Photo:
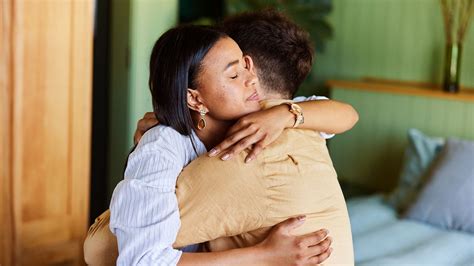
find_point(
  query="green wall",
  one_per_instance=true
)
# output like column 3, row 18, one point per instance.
column 370, row 155
column 136, row 25
column 392, row 39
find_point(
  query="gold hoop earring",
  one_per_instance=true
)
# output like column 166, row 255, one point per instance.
column 202, row 122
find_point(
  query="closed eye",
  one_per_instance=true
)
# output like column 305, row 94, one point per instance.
column 234, row 77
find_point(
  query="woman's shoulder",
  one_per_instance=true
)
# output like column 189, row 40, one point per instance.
column 160, row 137
column 166, row 140
column 160, row 150
column 161, row 133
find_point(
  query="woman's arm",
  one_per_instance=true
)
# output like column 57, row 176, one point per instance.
column 327, row 116
column 279, row 248
column 261, row 128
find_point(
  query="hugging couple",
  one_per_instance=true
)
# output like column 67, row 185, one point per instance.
column 228, row 170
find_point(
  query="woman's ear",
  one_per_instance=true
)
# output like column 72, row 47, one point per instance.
column 194, row 101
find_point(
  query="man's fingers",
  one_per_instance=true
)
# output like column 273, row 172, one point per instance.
column 290, row 224
column 321, row 257
column 320, row 248
column 146, row 123
column 149, row 115
column 314, row 238
column 137, row 137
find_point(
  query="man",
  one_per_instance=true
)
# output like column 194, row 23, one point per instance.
column 239, row 203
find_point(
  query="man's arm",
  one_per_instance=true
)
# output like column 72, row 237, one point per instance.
column 279, row 248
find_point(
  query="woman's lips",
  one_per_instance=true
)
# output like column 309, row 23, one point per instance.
column 253, row 97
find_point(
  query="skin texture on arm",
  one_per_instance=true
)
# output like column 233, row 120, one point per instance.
column 279, row 248
column 328, row 116
column 100, row 248
column 260, row 129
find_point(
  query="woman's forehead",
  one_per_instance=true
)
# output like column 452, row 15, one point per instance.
column 224, row 52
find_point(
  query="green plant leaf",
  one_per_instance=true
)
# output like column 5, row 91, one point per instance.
column 309, row 14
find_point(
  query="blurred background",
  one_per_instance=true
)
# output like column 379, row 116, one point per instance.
column 386, row 58
column 400, row 40
column 393, row 60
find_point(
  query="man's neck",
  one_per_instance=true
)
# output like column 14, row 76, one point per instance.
column 273, row 95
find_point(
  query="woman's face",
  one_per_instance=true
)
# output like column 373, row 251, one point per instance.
column 227, row 82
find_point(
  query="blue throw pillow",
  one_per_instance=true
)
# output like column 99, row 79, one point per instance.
column 447, row 200
column 419, row 155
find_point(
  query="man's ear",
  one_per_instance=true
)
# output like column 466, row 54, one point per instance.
column 249, row 64
column 194, row 101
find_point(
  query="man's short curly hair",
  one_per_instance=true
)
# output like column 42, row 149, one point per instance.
column 281, row 50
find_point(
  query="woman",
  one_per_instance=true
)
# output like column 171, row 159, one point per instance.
column 199, row 79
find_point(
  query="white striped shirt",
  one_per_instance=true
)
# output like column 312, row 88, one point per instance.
column 144, row 209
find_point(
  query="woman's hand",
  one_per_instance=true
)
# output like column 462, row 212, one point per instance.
column 282, row 248
column 148, row 121
column 256, row 131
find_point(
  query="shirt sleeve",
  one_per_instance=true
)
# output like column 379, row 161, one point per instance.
column 314, row 98
column 144, row 208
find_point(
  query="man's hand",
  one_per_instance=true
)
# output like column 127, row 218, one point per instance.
column 256, row 131
column 148, row 121
column 283, row 248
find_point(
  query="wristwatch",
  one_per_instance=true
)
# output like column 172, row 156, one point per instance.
column 298, row 112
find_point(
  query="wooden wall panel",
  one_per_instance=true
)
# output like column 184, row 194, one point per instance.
column 81, row 116
column 47, row 116
column 44, row 99
column 371, row 153
column 6, row 207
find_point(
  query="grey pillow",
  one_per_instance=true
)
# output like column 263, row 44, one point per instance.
column 447, row 200
column 419, row 154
